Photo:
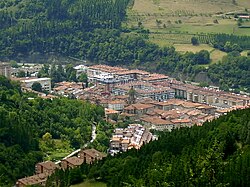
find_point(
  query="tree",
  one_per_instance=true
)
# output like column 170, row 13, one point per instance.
column 83, row 78
column 239, row 22
column 13, row 64
column 202, row 57
column 36, row 86
column 194, row 41
column 21, row 73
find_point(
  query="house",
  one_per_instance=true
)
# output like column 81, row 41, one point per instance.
column 182, row 122
column 207, row 109
column 138, row 109
column 116, row 105
column 154, row 77
column 91, row 155
column 47, row 167
column 157, row 123
column 134, row 136
column 111, row 114
column 39, row 179
column 169, row 104
column 71, row 162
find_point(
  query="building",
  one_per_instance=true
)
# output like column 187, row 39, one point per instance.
column 71, row 162
column 116, row 105
column 29, row 69
column 28, row 82
column 156, row 123
column 47, row 167
column 80, row 69
column 91, row 155
column 138, row 109
column 134, row 136
column 5, row 69
column 145, row 90
column 39, row 179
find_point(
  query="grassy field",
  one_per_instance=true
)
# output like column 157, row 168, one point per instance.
column 215, row 54
column 173, row 22
column 57, row 150
column 183, row 16
column 90, row 184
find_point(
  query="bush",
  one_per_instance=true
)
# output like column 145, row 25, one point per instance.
column 194, row 41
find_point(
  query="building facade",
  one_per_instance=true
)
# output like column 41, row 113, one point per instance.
column 5, row 69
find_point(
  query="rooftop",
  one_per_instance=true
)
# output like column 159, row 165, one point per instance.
column 74, row 161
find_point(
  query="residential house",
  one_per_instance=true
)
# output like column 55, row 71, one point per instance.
column 116, row 105
column 47, row 167
column 157, row 123
column 90, row 155
column 138, row 109
column 39, row 179
column 71, row 162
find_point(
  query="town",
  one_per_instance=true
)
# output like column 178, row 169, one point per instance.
column 156, row 101
column 148, row 101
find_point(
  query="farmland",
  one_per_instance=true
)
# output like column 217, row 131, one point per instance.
column 176, row 22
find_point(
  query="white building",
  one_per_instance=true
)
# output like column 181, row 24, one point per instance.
column 45, row 83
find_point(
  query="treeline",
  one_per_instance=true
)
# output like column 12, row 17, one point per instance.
column 25, row 119
column 226, row 42
column 232, row 72
column 216, row 154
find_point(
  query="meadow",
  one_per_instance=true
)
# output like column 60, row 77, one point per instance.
column 176, row 22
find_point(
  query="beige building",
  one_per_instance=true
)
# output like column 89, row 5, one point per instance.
column 5, row 69
column 28, row 82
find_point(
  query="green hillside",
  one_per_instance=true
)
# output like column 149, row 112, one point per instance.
column 216, row 154
column 32, row 128
column 188, row 17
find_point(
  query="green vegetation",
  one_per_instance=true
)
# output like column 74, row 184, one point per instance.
column 211, row 155
column 90, row 184
column 232, row 72
column 32, row 128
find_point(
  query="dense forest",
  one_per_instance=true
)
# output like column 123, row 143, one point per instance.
column 25, row 119
column 216, row 154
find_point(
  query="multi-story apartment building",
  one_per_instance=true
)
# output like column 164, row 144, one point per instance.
column 145, row 90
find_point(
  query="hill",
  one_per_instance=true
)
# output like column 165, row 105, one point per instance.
column 31, row 129
column 211, row 155
column 176, row 22
column 99, row 32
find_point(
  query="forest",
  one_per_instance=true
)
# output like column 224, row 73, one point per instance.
column 25, row 120
column 215, row 154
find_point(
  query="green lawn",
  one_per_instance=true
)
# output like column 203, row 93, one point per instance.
column 215, row 54
column 90, row 184
column 57, row 150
